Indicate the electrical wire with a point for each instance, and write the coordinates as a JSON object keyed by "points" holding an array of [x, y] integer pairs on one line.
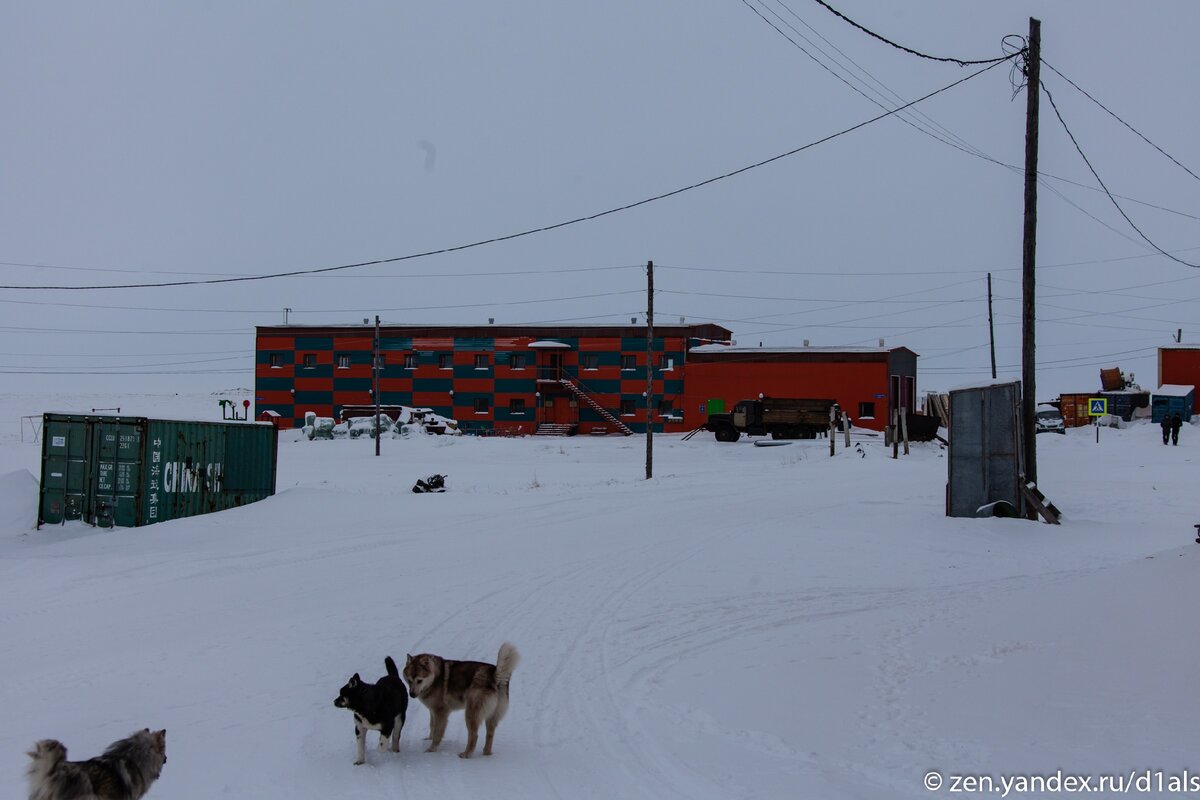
{"points": [[1123, 122], [909, 50], [531, 231], [1096, 175]]}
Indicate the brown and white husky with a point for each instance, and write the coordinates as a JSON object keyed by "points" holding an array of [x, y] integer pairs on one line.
{"points": [[479, 689]]}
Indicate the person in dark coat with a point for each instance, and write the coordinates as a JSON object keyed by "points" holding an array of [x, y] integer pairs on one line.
{"points": [[1166, 428], [1176, 424]]}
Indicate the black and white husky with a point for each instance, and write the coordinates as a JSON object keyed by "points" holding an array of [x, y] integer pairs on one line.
{"points": [[379, 706]]}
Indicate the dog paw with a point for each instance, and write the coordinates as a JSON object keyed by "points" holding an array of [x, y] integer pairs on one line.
{"points": [[464, 754], [431, 749], [359, 763]]}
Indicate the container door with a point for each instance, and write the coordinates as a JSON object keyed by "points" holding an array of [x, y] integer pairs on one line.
{"points": [[64, 470], [715, 406], [116, 465]]}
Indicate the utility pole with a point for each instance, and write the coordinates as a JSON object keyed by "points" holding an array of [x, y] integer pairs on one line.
{"points": [[649, 369], [991, 327], [286, 311], [1033, 88], [375, 391]]}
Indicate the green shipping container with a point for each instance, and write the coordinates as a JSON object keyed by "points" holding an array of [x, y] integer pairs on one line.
{"points": [[132, 471]]}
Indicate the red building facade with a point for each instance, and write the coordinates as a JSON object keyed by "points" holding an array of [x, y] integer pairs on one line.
{"points": [[868, 383]]}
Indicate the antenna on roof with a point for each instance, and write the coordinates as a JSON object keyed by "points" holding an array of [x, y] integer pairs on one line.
{"points": [[881, 342]]}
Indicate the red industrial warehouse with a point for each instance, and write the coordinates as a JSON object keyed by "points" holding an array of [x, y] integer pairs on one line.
{"points": [[522, 379]]}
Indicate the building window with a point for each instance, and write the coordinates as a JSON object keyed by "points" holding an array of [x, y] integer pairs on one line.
{"points": [[866, 410], [481, 361], [481, 405], [589, 361], [665, 408], [310, 360], [445, 360], [273, 361], [410, 360], [666, 363], [628, 363], [516, 405], [343, 361], [519, 360], [628, 407]]}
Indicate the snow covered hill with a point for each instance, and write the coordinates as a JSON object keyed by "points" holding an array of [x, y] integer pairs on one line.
{"points": [[753, 622]]}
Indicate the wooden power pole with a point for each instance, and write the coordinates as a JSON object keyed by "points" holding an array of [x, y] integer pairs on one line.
{"points": [[649, 369], [991, 327], [1033, 88]]}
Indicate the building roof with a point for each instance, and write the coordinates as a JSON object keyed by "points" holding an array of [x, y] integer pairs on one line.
{"points": [[1183, 346], [717, 353], [705, 330], [1174, 390]]}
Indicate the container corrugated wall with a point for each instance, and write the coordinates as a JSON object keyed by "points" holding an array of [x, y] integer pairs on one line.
{"points": [[985, 448], [131, 471]]}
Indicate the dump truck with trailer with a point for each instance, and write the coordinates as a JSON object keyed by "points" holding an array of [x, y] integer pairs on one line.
{"points": [[780, 417]]}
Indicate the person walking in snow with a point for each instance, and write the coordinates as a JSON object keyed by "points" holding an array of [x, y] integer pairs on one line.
{"points": [[1166, 428], [1176, 424]]}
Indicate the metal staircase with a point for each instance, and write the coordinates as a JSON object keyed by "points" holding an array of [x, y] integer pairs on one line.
{"points": [[599, 409]]}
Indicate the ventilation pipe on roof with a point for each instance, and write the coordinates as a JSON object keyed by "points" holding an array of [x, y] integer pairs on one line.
{"points": [[806, 342], [491, 320], [881, 342]]}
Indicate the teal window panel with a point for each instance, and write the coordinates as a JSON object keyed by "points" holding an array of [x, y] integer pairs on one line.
{"points": [[404, 343], [638, 344], [515, 385], [467, 400], [474, 343], [273, 384], [673, 387], [314, 343], [396, 398], [468, 371], [314, 398]]}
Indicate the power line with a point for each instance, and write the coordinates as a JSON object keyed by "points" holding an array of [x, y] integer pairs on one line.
{"points": [[909, 50], [1123, 122], [531, 231], [1096, 175], [962, 145], [323, 310]]}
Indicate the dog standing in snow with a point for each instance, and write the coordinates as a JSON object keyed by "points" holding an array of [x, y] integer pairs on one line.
{"points": [[479, 689]]}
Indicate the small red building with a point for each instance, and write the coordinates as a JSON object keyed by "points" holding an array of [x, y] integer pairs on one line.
{"points": [[1179, 364], [867, 382]]}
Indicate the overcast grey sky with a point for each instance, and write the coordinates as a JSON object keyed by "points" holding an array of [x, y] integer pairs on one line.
{"points": [[147, 142]]}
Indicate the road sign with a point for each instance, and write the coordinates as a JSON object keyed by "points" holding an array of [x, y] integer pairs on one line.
{"points": [[1097, 406]]}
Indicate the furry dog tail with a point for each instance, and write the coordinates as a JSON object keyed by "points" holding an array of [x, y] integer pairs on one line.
{"points": [[506, 661], [47, 755], [391, 667]]}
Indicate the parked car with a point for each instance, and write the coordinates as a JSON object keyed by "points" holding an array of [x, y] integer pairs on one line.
{"points": [[1048, 419]]}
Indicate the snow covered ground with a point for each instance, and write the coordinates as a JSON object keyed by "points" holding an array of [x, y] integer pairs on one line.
{"points": [[753, 622]]}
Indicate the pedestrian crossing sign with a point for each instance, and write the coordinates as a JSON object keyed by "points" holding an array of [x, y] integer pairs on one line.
{"points": [[1097, 406]]}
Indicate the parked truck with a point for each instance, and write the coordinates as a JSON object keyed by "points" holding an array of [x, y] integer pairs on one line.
{"points": [[781, 417]]}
